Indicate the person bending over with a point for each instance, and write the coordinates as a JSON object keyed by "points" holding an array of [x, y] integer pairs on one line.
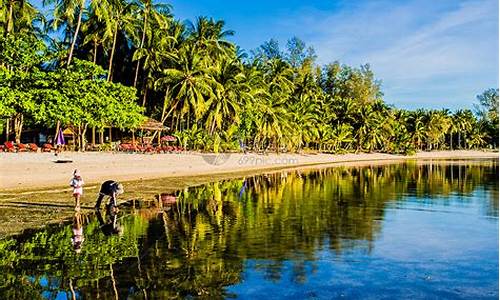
{"points": [[111, 189]]}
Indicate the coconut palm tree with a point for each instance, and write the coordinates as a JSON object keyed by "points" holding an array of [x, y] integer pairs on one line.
{"points": [[189, 82], [416, 125], [67, 14], [120, 16], [209, 35], [155, 16], [230, 90], [463, 120], [158, 51], [18, 16], [272, 122]]}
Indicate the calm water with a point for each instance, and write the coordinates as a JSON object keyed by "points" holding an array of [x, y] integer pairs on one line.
{"points": [[397, 231]]}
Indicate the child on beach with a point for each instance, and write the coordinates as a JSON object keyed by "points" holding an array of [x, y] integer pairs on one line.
{"points": [[77, 184]]}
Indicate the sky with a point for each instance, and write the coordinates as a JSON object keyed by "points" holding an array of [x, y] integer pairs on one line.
{"points": [[432, 54]]}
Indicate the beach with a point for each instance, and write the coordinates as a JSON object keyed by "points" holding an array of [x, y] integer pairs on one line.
{"points": [[31, 171]]}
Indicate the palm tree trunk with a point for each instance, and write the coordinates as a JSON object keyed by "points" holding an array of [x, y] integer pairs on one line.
{"points": [[95, 52], [18, 127], [10, 21], [7, 130], [112, 52], [84, 132], [58, 125], [79, 138], [459, 139], [76, 32], [144, 95], [146, 12]]}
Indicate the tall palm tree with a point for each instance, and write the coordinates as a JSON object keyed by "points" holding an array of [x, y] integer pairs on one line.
{"points": [[272, 122], [230, 91], [463, 120], [416, 122], [189, 83], [93, 30], [17, 16], [437, 127], [209, 35], [119, 17], [65, 14], [151, 12]]}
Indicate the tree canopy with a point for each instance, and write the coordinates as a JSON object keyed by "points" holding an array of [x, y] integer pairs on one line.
{"points": [[99, 63]]}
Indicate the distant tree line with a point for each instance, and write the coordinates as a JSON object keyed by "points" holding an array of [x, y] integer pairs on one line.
{"points": [[109, 62]]}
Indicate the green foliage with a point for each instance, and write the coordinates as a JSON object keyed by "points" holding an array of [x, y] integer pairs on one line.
{"points": [[212, 96]]}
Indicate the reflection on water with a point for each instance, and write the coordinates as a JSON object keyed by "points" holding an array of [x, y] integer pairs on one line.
{"points": [[404, 230]]}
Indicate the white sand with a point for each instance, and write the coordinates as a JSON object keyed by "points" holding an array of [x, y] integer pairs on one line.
{"points": [[37, 170]]}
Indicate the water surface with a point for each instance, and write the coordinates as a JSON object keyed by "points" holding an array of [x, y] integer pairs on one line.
{"points": [[407, 230]]}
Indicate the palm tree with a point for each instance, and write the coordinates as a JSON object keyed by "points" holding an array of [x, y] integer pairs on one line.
{"points": [[158, 50], [119, 16], [230, 90], [210, 36], [94, 27], [189, 83], [340, 137], [463, 119], [271, 123], [65, 13], [158, 12], [17, 16], [369, 127], [417, 120], [477, 137]]}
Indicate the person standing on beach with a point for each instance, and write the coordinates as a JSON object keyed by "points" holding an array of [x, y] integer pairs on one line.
{"points": [[77, 184], [111, 189]]}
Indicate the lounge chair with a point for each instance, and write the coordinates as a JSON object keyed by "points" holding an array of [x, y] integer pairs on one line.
{"points": [[47, 148], [33, 147], [22, 147], [10, 147]]}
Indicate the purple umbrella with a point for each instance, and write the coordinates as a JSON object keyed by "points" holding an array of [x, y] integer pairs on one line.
{"points": [[60, 137]]}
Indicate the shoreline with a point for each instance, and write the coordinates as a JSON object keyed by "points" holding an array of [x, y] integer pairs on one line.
{"points": [[35, 171], [34, 204]]}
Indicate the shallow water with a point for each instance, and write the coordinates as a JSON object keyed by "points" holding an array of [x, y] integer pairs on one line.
{"points": [[408, 230]]}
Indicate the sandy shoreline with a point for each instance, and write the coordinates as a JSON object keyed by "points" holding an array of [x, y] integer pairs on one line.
{"points": [[38, 170]]}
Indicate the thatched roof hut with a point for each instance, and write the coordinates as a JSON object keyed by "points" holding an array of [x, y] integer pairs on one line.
{"points": [[153, 125]]}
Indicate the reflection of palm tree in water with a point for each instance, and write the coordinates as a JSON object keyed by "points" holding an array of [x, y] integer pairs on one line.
{"points": [[111, 225]]}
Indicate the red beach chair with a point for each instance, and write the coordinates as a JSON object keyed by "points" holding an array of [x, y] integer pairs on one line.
{"points": [[21, 147], [10, 147], [124, 147], [47, 148], [33, 147], [149, 149]]}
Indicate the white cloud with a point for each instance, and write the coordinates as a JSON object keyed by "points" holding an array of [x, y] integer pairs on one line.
{"points": [[441, 53]]}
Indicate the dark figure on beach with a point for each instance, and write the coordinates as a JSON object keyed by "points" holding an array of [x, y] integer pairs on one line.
{"points": [[111, 189], [110, 226]]}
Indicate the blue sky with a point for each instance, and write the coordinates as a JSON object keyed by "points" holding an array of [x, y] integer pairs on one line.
{"points": [[430, 54]]}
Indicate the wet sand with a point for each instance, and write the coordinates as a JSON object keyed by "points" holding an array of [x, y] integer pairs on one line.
{"points": [[31, 171]]}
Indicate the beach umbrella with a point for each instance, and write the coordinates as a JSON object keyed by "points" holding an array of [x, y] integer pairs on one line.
{"points": [[60, 138]]}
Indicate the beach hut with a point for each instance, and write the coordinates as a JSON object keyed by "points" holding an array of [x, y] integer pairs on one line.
{"points": [[149, 125]]}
